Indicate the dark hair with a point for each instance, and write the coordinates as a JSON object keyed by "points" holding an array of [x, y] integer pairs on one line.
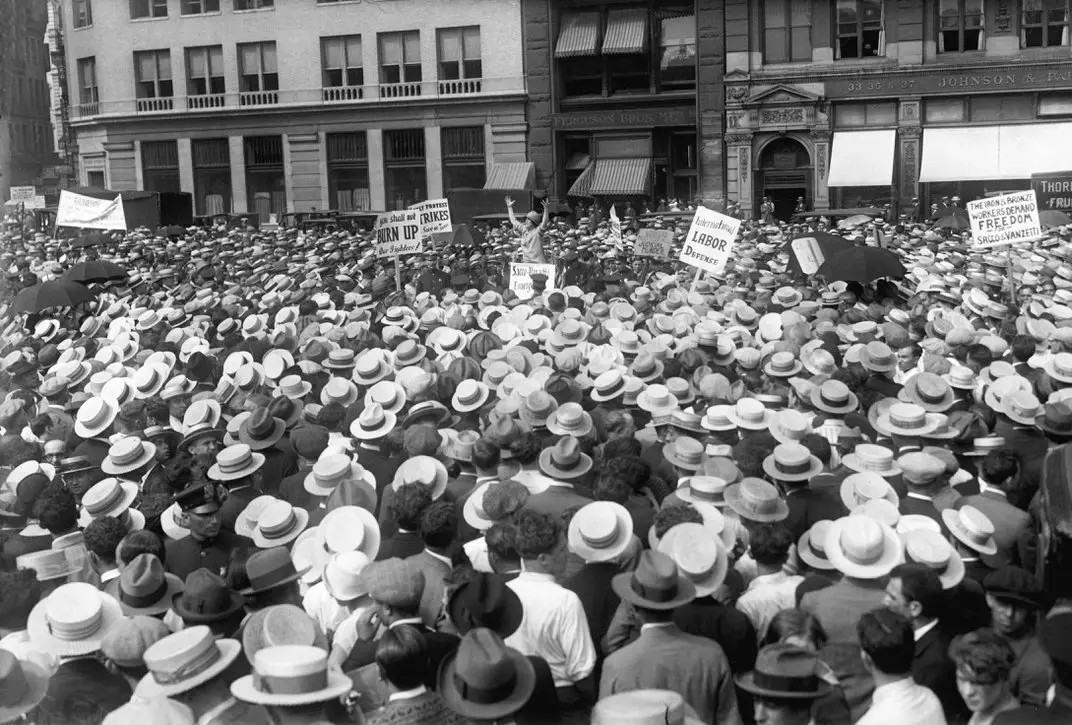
{"points": [[678, 512], [980, 355], [619, 424], [795, 622], [486, 454], [629, 470], [818, 446], [921, 584], [887, 638], [984, 655], [536, 534], [616, 447], [439, 525], [770, 544], [611, 488], [56, 509], [526, 448], [103, 536], [156, 411], [501, 539], [409, 502], [752, 451], [141, 542], [402, 656], [999, 466], [19, 592], [1023, 347]]}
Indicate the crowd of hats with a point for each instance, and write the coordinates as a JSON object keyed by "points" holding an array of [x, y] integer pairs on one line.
{"points": [[173, 393]]}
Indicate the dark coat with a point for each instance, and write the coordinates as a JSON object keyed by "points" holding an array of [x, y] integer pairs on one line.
{"points": [[557, 500], [81, 691], [380, 465], [402, 545], [592, 586], [439, 646], [933, 668], [809, 504], [1010, 525], [94, 449], [187, 555]]}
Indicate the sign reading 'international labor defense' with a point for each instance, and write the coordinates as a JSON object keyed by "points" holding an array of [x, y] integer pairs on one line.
{"points": [[1004, 219], [653, 243], [398, 233], [709, 242]]}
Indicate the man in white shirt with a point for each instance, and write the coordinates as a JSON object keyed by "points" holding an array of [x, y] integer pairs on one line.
{"points": [[773, 589], [889, 647], [554, 625]]}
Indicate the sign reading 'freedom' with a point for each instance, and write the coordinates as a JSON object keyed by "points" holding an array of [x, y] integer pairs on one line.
{"points": [[1004, 219]]}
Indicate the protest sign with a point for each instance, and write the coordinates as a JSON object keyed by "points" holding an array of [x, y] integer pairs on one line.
{"points": [[1004, 219], [653, 243], [23, 194], [521, 278], [709, 243], [615, 228], [434, 216], [808, 253], [398, 233], [38, 202], [75, 210]]}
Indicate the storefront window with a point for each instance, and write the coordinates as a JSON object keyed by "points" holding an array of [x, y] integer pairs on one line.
{"points": [[348, 173], [677, 50], [1001, 108], [960, 25], [1044, 23], [859, 29], [212, 175], [943, 110], [404, 174], [853, 115], [160, 165], [786, 31], [463, 157]]}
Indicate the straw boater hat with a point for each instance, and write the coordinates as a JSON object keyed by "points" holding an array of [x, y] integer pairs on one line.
{"points": [[812, 546], [600, 531], [110, 497], [873, 458], [907, 419], [833, 396], [859, 488], [791, 462], [972, 528], [185, 660], [127, 454], [702, 489], [862, 548], [72, 620], [698, 555], [930, 549], [235, 462], [643, 707], [349, 528], [279, 524], [757, 500], [750, 414], [290, 676]]}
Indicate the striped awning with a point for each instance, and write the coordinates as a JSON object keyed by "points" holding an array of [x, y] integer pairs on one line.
{"points": [[583, 185], [579, 35], [510, 176], [627, 177], [627, 32]]}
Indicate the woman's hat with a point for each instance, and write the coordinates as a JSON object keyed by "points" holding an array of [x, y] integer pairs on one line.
{"points": [[812, 546], [791, 462], [373, 423], [144, 587], [698, 554], [757, 500], [206, 598], [291, 676], [600, 531], [185, 660], [785, 672], [859, 488], [862, 548], [484, 679], [127, 454], [23, 686], [656, 583], [972, 528], [278, 524], [235, 462], [930, 549], [565, 461], [72, 620]]}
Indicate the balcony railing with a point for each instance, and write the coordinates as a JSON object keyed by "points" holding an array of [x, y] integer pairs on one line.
{"points": [[329, 96]]}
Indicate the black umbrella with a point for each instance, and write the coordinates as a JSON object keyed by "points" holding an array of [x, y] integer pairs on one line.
{"points": [[172, 231], [95, 270], [862, 264], [90, 240], [61, 293], [829, 245], [954, 219]]}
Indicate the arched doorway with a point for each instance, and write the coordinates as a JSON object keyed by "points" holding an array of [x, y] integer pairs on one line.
{"points": [[784, 176]]}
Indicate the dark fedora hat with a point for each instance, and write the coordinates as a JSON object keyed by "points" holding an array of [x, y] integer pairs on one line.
{"points": [[261, 430], [270, 569], [485, 601], [205, 598], [1056, 420], [784, 671], [484, 679], [656, 583]]}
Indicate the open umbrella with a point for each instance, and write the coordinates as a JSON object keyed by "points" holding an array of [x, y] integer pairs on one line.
{"points": [[172, 231], [862, 264], [60, 293], [954, 219], [828, 246], [854, 220], [89, 240], [95, 270], [1053, 218]]}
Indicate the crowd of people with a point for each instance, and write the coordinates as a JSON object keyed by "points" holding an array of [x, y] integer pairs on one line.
{"points": [[252, 481]]}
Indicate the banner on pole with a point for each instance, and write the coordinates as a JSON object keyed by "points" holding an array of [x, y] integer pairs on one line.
{"points": [[23, 194], [75, 210], [38, 202], [521, 278], [1004, 219], [398, 233], [808, 253], [615, 228], [434, 216], [709, 243], [653, 243]]}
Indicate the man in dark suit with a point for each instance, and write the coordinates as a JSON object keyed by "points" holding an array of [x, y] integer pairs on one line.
{"points": [[407, 505], [881, 362], [1030, 445], [1055, 635], [923, 476], [997, 473], [915, 592], [438, 528]]}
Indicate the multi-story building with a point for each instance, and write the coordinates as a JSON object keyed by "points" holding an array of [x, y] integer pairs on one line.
{"points": [[849, 103], [25, 127], [625, 99], [271, 106]]}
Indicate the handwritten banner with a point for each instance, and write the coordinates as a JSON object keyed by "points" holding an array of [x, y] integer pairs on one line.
{"points": [[521, 278], [709, 243], [1004, 219], [434, 216], [76, 210], [653, 243]]}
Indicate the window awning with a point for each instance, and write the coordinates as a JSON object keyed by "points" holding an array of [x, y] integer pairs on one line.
{"points": [[988, 153], [627, 32], [579, 35], [583, 185], [627, 177], [862, 158], [510, 176]]}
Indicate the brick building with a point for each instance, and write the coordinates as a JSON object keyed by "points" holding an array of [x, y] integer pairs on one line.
{"points": [[275, 106]]}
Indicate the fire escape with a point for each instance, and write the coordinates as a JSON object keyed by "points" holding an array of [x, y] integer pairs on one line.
{"points": [[68, 150]]}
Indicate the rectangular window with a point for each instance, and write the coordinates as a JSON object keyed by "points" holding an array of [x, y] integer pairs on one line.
{"points": [[960, 25], [253, 4], [148, 9], [212, 175], [348, 172], [204, 71], [152, 74], [83, 13], [1001, 108], [463, 157], [1057, 104], [405, 179], [786, 31], [258, 74], [95, 178], [87, 82], [1044, 23], [160, 165], [859, 29], [341, 68], [400, 57], [459, 53], [854, 115], [199, 7], [677, 50], [265, 182], [943, 110]]}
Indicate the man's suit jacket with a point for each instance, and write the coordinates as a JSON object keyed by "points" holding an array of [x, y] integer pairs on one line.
{"points": [[1010, 525], [923, 507], [1030, 446], [1057, 713], [665, 658], [440, 645], [883, 385], [557, 500], [435, 572], [592, 586], [808, 504], [402, 545], [933, 668], [94, 449], [381, 466]]}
